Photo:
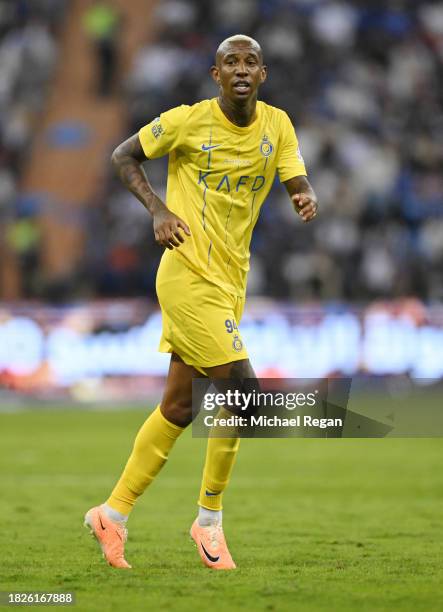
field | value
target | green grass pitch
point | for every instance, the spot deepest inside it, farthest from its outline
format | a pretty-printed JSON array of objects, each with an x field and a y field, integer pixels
[{"x": 312, "y": 524}]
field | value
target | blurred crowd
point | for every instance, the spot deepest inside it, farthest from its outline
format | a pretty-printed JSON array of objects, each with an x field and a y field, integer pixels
[
  {"x": 362, "y": 82},
  {"x": 28, "y": 55}
]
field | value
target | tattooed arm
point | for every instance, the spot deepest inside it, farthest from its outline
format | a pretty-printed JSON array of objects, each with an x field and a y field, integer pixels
[{"x": 127, "y": 161}]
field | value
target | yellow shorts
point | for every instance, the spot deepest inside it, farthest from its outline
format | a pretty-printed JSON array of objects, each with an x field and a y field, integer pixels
[{"x": 200, "y": 319}]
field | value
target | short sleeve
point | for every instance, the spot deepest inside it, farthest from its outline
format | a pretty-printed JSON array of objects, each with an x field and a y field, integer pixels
[
  {"x": 164, "y": 133},
  {"x": 290, "y": 161}
]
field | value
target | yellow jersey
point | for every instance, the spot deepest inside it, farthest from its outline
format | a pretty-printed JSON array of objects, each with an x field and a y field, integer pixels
[{"x": 219, "y": 175}]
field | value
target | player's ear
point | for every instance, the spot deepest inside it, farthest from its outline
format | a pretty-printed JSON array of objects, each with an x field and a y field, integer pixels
[
  {"x": 215, "y": 73},
  {"x": 264, "y": 74}
]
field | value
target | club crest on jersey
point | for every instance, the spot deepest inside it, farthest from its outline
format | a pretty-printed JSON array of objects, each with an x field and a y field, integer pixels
[
  {"x": 266, "y": 146},
  {"x": 237, "y": 344}
]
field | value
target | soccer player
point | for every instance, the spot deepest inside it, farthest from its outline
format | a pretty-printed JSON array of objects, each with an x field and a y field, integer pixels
[{"x": 223, "y": 156}]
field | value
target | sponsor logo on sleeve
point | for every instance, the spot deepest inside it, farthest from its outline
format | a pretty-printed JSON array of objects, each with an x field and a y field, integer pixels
[{"x": 157, "y": 128}]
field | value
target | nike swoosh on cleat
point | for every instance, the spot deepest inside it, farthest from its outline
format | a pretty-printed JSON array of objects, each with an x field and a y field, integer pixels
[
  {"x": 210, "y": 557},
  {"x": 101, "y": 524},
  {"x": 209, "y": 147},
  {"x": 209, "y": 494}
]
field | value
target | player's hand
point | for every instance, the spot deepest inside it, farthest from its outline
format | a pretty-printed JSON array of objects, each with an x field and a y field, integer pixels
[
  {"x": 167, "y": 229},
  {"x": 305, "y": 205}
]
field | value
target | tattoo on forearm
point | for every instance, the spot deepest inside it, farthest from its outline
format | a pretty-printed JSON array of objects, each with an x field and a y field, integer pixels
[{"x": 127, "y": 159}]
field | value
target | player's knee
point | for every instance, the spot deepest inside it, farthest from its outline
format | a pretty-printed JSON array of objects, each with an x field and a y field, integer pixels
[{"x": 177, "y": 411}]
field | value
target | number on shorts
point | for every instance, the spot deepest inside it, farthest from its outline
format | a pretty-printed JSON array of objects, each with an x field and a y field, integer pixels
[{"x": 231, "y": 325}]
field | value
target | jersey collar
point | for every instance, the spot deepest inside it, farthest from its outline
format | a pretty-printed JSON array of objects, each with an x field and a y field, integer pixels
[{"x": 219, "y": 114}]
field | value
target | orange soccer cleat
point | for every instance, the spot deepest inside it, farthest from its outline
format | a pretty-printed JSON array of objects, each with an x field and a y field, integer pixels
[
  {"x": 110, "y": 535},
  {"x": 212, "y": 547}
]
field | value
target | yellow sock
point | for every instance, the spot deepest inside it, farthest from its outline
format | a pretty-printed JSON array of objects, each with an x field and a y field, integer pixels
[
  {"x": 220, "y": 458},
  {"x": 151, "y": 449}
]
